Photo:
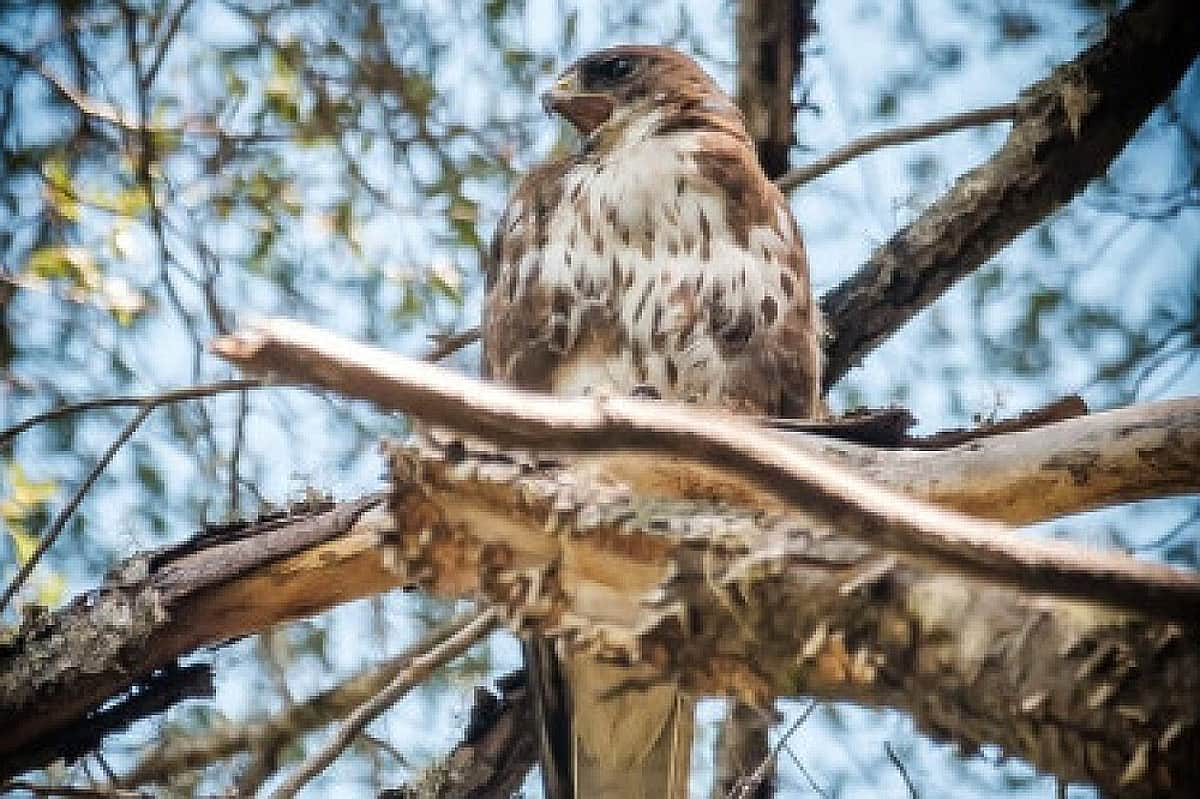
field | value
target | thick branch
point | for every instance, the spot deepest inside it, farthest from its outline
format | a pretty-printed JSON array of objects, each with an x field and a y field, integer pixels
[
  {"x": 1080, "y": 464},
  {"x": 770, "y": 38},
  {"x": 1071, "y": 126},
  {"x": 567, "y": 550},
  {"x": 221, "y": 585},
  {"x": 818, "y": 486},
  {"x": 758, "y": 605}
]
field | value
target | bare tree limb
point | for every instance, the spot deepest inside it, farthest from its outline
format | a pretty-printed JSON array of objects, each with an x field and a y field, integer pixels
[
  {"x": 495, "y": 753},
  {"x": 305, "y": 354},
  {"x": 135, "y": 401},
  {"x": 443, "y": 348},
  {"x": 1087, "y": 462},
  {"x": 177, "y": 755},
  {"x": 769, "y": 50},
  {"x": 161, "y": 604},
  {"x": 418, "y": 671},
  {"x": 757, "y": 605},
  {"x": 778, "y": 602},
  {"x": 1070, "y": 127},
  {"x": 893, "y": 136}
]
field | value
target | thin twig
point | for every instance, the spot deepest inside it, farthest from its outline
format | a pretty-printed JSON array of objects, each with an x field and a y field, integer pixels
[
  {"x": 745, "y": 787},
  {"x": 894, "y": 136},
  {"x": 134, "y": 401},
  {"x": 235, "y": 453},
  {"x": 73, "y": 791},
  {"x": 447, "y": 344},
  {"x": 103, "y": 112},
  {"x": 65, "y": 514},
  {"x": 168, "y": 36},
  {"x": 895, "y": 758},
  {"x": 420, "y": 669},
  {"x": 173, "y": 756},
  {"x": 731, "y": 443}
]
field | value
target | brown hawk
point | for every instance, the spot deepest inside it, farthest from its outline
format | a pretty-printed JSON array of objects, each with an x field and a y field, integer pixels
[{"x": 659, "y": 255}]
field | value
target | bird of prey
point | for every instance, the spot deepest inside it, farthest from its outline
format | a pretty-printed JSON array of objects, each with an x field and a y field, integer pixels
[{"x": 656, "y": 259}]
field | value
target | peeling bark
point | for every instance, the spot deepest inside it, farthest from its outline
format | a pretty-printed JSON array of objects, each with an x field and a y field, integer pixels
[
  {"x": 750, "y": 602},
  {"x": 734, "y": 444},
  {"x": 758, "y": 605},
  {"x": 159, "y": 605},
  {"x": 1071, "y": 126}
]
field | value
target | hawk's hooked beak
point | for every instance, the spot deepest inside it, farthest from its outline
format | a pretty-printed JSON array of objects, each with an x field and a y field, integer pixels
[{"x": 585, "y": 110}]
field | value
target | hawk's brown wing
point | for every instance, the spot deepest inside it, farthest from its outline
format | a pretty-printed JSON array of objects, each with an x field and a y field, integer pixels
[{"x": 518, "y": 310}]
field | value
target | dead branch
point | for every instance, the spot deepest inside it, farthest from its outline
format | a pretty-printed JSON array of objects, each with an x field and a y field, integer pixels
[
  {"x": 770, "y": 603},
  {"x": 141, "y": 699},
  {"x": 727, "y": 442},
  {"x": 1083, "y": 463},
  {"x": 758, "y": 605},
  {"x": 177, "y": 755},
  {"x": 893, "y": 136},
  {"x": 419, "y": 670},
  {"x": 229, "y": 581},
  {"x": 495, "y": 753},
  {"x": 1070, "y": 127}
]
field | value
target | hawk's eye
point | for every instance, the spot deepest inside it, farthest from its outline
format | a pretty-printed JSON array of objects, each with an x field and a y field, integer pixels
[{"x": 606, "y": 72}]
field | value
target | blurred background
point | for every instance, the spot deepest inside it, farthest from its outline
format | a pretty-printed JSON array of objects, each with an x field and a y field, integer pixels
[{"x": 345, "y": 162}]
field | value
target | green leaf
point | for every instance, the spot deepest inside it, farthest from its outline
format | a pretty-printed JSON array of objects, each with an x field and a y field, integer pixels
[{"x": 60, "y": 261}]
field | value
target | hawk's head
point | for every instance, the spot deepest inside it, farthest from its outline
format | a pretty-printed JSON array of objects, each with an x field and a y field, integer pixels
[{"x": 615, "y": 87}]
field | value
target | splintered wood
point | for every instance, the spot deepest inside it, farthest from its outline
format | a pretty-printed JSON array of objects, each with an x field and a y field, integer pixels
[{"x": 759, "y": 604}]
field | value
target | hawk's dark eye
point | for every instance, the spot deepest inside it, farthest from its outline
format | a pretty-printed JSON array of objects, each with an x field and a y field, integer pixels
[{"x": 606, "y": 72}]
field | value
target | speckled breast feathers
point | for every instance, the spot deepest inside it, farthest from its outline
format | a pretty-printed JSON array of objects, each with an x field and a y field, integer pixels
[{"x": 660, "y": 255}]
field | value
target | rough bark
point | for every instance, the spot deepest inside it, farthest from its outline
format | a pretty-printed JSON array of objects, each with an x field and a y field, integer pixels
[
  {"x": 1071, "y": 126},
  {"x": 780, "y": 604},
  {"x": 496, "y": 751},
  {"x": 758, "y": 605},
  {"x": 729, "y": 442},
  {"x": 158, "y": 605},
  {"x": 770, "y": 39}
]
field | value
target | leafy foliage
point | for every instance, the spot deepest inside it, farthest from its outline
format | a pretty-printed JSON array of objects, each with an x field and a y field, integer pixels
[{"x": 170, "y": 168}]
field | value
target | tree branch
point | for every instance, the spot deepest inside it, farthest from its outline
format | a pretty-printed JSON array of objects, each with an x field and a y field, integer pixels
[
  {"x": 778, "y": 603},
  {"x": 304, "y": 354},
  {"x": 1086, "y": 462},
  {"x": 759, "y": 604},
  {"x": 418, "y": 671},
  {"x": 1070, "y": 127},
  {"x": 174, "y": 756},
  {"x": 495, "y": 753},
  {"x": 893, "y": 136},
  {"x": 94, "y": 109},
  {"x": 55, "y": 671},
  {"x": 135, "y": 401}
]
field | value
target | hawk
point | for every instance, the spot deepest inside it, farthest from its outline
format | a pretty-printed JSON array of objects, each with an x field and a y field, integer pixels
[{"x": 657, "y": 259}]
